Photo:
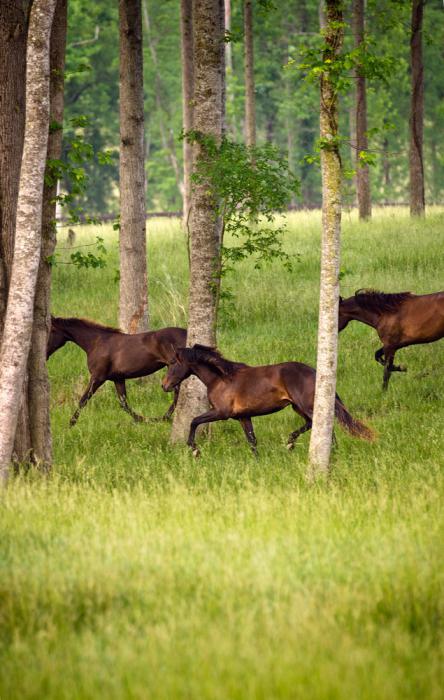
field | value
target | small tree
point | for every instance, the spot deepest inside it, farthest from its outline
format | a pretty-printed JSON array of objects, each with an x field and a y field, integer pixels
[
  {"x": 250, "y": 102},
  {"x": 133, "y": 307},
  {"x": 186, "y": 26},
  {"x": 360, "y": 121},
  {"x": 323, "y": 411},
  {"x": 205, "y": 228},
  {"x": 19, "y": 313},
  {"x": 417, "y": 197}
]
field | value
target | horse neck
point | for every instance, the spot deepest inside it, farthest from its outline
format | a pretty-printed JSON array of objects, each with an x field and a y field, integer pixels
[
  {"x": 205, "y": 373},
  {"x": 82, "y": 335},
  {"x": 370, "y": 318}
]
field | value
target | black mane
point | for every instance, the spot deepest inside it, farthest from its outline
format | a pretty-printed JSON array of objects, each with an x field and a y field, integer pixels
[
  {"x": 212, "y": 357},
  {"x": 83, "y": 322},
  {"x": 373, "y": 300}
]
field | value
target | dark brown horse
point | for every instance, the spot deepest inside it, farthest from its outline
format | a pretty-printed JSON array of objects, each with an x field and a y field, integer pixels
[
  {"x": 240, "y": 392},
  {"x": 116, "y": 356},
  {"x": 400, "y": 320}
]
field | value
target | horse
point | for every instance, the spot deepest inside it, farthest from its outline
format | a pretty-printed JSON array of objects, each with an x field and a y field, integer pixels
[
  {"x": 116, "y": 356},
  {"x": 239, "y": 391},
  {"x": 400, "y": 320}
]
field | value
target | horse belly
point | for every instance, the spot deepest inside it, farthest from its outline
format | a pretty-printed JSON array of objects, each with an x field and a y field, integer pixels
[{"x": 127, "y": 366}]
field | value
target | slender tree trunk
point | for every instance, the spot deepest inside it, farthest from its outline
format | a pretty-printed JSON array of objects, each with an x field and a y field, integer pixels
[
  {"x": 250, "y": 104},
  {"x": 14, "y": 18},
  {"x": 205, "y": 229},
  {"x": 417, "y": 197},
  {"x": 362, "y": 170},
  {"x": 19, "y": 312},
  {"x": 133, "y": 310},
  {"x": 38, "y": 386},
  {"x": 166, "y": 133},
  {"x": 324, "y": 403},
  {"x": 186, "y": 27}
]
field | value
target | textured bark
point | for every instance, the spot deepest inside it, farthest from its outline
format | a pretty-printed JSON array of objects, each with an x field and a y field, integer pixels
[
  {"x": 417, "y": 197},
  {"x": 19, "y": 314},
  {"x": 324, "y": 403},
  {"x": 250, "y": 104},
  {"x": 166, "y": 132},
  {"x": 186, "y": 27},
  {"x": 362, "y": 171},
  {"x": 133, "y": 307},
  {"x": 205, "y": 231},
  {"x": 14, "y": 17},
  {"x": 38, "y": 387}
]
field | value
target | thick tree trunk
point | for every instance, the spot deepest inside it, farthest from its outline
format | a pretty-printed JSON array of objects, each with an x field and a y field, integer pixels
[
  {"x": 14, "y": 18},
  {"x": 362, "y": 170},
  {"x": 324, "y": 404},
  {"x": 166, "y": 133},
  {"x": 38, "y": 387},
  {"x": 250, "y": 104},
  {"x": 19, "y": 313},
  {"x": 417, "y": 197},
  {"x": 205, "y": 229},
  {"x": 186, "y": 30},
  {"x": 133, "y": 309}
]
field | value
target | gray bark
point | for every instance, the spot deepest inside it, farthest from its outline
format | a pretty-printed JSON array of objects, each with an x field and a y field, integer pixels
[
  {"x": 205, "y": 231},
  {"x": 324, "y": 403},
  {"x": 250, "y": 103},
  {"x": 133, "y": 307},
  {"x": 38, "y": 386},
  {"x": 14, "y": 18},
  {"x": 186, "y": 26},
  {"x": 362, "y": 170},
  {"x": 19, "y": 313},
  {"x": 417, "y": 196}
]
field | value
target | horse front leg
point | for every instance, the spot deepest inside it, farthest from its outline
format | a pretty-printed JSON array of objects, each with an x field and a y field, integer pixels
[
  {"x": 208, "y": 417},
  {"x": 121, "y": 393},
  {"x": 379, "y": 356},
  {"x": 91, "y": 389},
  {"x": 172, "y": 408},
  {"x": 247, "y": 426}
]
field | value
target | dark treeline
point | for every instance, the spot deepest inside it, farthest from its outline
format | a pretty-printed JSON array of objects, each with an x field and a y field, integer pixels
[{"x": 287, "y": 107}]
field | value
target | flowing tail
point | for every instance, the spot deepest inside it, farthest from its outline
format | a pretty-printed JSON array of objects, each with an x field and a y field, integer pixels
[{"x": 354, "y": 427}]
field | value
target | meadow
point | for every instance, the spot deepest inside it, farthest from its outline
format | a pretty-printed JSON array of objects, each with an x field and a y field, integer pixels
[{"x": 135, "y": 571}]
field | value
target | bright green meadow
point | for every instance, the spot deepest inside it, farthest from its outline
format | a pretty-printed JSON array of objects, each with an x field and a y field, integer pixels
[{"x": 135, "y": 571}]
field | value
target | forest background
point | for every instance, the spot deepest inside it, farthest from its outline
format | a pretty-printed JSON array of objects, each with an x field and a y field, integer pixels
[{"x": 287, "y": 106}]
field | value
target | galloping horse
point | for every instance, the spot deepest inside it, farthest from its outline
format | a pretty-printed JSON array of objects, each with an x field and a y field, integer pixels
[
  {"x": 400, "y": 320},
  {"x": 116, "y": 356},
  {"x": 240, "y": 392}
]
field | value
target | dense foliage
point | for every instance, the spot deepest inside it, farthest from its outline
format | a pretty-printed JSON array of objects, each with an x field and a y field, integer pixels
[{"x": 287, "y": 105}]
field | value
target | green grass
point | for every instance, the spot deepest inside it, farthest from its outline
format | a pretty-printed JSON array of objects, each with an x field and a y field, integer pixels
[{"x": 134, "y": 571}]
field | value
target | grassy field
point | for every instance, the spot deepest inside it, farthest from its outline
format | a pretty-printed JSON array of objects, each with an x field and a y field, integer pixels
[{"x": 134, "y": 571}]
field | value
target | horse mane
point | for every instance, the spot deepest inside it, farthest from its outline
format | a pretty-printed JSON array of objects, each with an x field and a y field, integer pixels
[
  {"x": 85, "y": 323},
  {"x": 212, "y": 357},
  {"x": 373, "y": 300}
]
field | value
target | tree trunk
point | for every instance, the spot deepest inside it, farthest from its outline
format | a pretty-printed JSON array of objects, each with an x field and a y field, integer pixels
[
  {"x": 186, "y": 27},
  {"x": 14, "y": 18},
  {"x": 417, "y": 197},
  {"x": 38, "y": 387},
  {"x": 133, "y": 309},
  {"x": 205, "y": 229},
  {"x": 250, "y": 105},
  {"x": 362, "y": 170},
  {"x": 166, "y": 133},
  {"x": 324, "y": 403},
  {"x": 19, "y": 312}
]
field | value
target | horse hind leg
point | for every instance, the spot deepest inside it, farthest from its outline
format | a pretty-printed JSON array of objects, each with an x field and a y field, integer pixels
[
  {"x": 91, "y": 389},
  {"x": 121, "y": 393},
  {"x": 294, "y": 436}
]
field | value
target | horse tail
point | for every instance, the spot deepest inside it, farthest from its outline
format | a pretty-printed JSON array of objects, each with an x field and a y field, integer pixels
[{"x": 352, "y": 425}]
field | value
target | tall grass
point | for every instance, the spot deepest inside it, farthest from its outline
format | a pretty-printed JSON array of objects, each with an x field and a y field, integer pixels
[{"x": 134, "y": 571}]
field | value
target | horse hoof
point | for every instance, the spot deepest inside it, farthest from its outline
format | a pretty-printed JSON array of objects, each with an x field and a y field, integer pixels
[
  {"x": 290, "y": 446},
  {"x": 196, "y": 452},
  {"x": 72, "y": 422}
]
